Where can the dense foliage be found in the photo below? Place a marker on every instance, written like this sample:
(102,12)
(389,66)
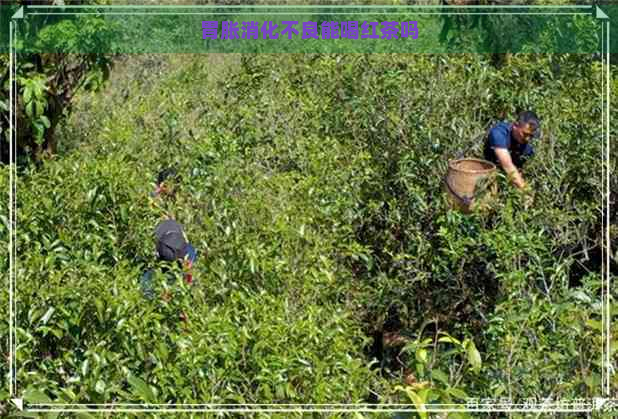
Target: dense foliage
(45,83)
(414,260)
(331,267)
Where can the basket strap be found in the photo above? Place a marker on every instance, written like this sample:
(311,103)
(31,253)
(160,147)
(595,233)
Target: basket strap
(467,200)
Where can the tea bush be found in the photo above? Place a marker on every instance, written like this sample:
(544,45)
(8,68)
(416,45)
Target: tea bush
(331,266)
(417,259)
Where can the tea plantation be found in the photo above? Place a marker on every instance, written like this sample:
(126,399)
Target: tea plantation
(331,268)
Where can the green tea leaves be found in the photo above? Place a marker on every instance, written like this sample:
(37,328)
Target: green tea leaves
(140,388)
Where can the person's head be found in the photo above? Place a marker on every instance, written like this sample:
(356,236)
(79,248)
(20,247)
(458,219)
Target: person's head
(165,182)
(526,127)
(171,242)
(166,174)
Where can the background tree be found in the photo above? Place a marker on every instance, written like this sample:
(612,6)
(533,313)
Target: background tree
(484,33)
(46,82)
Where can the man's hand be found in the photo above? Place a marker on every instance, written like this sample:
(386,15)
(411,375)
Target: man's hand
(526,194)
(504,157)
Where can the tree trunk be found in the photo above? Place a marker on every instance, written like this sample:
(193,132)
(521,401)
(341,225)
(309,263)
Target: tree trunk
(500,59)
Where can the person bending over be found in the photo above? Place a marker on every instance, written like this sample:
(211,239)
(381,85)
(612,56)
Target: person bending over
(508,145)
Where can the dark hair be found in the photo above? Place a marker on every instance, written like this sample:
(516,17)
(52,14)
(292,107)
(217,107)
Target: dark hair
(529,117)
(166,173)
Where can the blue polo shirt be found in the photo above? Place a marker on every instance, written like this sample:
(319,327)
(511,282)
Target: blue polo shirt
(147,277)
(500,137)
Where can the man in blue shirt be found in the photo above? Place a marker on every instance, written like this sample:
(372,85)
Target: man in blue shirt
(507,145)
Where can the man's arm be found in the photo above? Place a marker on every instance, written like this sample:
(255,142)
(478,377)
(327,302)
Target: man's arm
(504,157)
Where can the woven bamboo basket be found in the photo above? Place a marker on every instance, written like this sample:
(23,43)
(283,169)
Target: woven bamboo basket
(470,182)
